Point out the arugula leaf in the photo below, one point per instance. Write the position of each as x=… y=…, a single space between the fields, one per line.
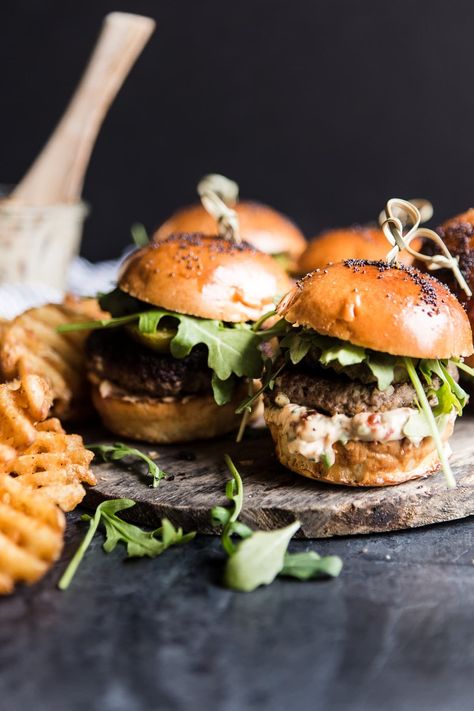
x=227 y=517
x=310 y=565
x=119 y=450
x=344 y=353
x=261 y=555
x=231 y=350
x=222 y=389
x=75 y=562
x=118 y=303
x=300 y=341
x=456 y=390
x=463 y=366
x=383 y=369
x=258 y=560
x=449 y=394
x=139 y=543
x=428 y=412
x=268 y=382
x=298 y=344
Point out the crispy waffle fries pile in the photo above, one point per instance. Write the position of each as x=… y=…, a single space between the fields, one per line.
x=42 y=471
x=30 y=344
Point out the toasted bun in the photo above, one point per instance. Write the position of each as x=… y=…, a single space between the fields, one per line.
x=364 y=463
x=356 y=242
x=205 y=276
x=396 y=310
x=153 y=420
x=458 y=235
x=260 y=225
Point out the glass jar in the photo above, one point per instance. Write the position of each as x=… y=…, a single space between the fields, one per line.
x=38 y=243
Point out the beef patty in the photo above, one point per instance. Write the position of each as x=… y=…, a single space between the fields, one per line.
x=113 y=355
x=333 y=394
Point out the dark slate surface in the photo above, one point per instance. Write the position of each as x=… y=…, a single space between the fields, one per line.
x=393 y=632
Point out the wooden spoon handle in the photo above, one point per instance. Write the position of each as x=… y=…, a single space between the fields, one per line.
x=57 y=175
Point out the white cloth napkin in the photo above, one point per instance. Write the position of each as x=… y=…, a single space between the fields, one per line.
x=84 y=279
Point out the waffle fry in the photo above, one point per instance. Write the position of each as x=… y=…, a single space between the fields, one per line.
x=42 y=470
x=22 y=404
x=38 y=451
x=57 y=463
x=31 y=534
x=30 y=344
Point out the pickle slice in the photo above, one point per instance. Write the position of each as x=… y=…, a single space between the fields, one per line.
x=159 y=340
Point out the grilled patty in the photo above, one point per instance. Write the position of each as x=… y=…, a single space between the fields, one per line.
x=113 y=355
x=336 y=394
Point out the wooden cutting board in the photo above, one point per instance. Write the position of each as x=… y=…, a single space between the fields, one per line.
x=274 y=496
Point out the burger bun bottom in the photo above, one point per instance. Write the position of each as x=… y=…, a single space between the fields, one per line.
x=365 y=463
x=181 y=420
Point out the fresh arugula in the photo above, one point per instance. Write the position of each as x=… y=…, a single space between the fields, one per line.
x=450 y=395
x=139 y=543
x=233 y=349
x=310 y=565
x=258 y=559
x=328 y=350
x=120 y=450
x=270 y=373
x=463 y=366
x=227 y=517
x=428 y=412
x=260 y=556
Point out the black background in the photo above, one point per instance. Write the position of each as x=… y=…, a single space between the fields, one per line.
x=322 y=108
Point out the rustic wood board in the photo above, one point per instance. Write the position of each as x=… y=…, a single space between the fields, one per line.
x=275 y=497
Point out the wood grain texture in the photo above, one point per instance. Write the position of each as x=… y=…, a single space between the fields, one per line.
x=274 y=496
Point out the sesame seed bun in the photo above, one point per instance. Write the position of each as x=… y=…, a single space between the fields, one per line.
x=356 y=242
x=393 y=309
x=203 y=276
x=260 y=225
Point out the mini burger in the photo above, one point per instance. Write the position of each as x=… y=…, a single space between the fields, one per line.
x=365 y=390
x=363 y=241
x=355 y=242
x=261 y=226
x=457 y=234
x=178 y=354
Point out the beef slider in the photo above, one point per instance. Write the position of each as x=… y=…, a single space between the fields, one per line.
x=114 y=356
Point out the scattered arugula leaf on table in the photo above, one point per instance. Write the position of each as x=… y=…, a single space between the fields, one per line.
x=260 y=556
x=139 y=543
x=120 y=450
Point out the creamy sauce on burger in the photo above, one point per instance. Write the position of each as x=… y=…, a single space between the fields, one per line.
x=313 y=435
